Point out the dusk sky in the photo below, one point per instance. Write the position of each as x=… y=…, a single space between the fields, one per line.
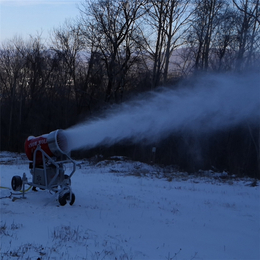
x=33 y=17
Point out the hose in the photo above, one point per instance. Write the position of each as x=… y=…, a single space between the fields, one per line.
x=10 y=196
x=26 y=189
x=1 y=187
x=7 y=188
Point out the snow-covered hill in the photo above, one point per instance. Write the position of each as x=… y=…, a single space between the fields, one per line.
x=128 y=210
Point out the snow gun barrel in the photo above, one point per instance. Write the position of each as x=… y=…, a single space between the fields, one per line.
x=53 y=144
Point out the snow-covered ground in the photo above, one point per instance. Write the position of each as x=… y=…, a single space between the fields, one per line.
x=127 y=210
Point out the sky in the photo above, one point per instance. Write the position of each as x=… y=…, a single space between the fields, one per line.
x=33 y=17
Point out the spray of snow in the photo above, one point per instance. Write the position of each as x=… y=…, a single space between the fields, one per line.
x=212 y=103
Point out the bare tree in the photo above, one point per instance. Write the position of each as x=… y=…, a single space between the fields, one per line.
x=253 y=12
x=67 y=42
x=169 y=20
x=205 y=20
x=12 y=78
x=224 y=37
x=110 y=28
x=248 y=28
x=68 y=45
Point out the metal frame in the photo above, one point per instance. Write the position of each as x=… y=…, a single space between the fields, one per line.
x=48 y=163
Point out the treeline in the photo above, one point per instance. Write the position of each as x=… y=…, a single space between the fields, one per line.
x=118 y=48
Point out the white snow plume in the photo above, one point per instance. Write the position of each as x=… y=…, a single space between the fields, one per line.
x=214 y=102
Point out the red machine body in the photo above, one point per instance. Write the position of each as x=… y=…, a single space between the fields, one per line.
x=31 y=144
x=53 y=144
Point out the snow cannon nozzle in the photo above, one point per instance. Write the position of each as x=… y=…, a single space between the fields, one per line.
x=53 y=144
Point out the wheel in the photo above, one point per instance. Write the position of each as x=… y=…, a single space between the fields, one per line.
x=72 y=199
x=16 y=183
x=64 y=197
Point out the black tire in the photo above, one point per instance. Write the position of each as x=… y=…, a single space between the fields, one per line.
x=63 y=198
x=16 y=183
x=72 y=199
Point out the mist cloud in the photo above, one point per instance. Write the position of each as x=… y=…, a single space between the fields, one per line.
x=212 y=103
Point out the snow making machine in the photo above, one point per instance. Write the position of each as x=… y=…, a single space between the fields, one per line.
x=47 y=154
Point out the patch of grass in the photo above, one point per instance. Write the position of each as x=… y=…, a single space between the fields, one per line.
x=3 y=228
x=8 y=230
x=68 y=243
x=67 y=233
